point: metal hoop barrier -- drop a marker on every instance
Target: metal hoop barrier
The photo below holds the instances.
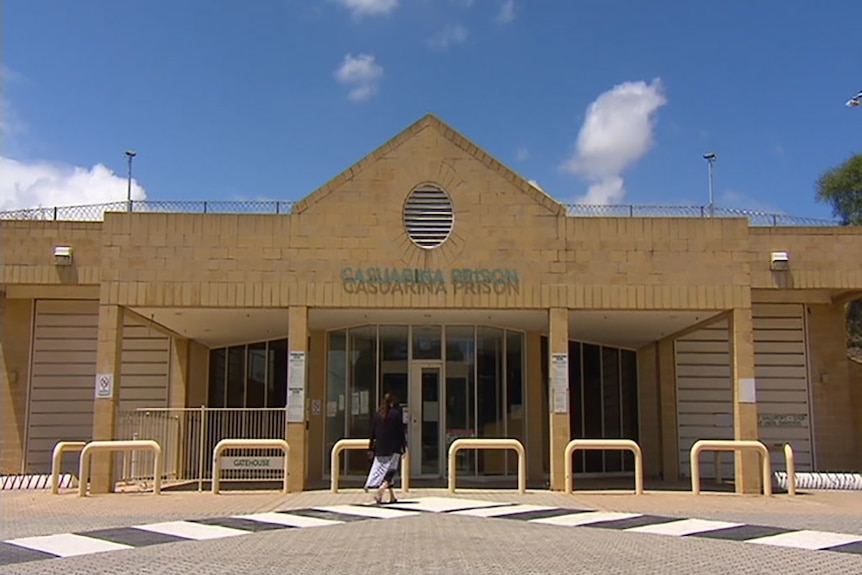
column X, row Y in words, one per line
column 361, row 444
column 790, row 462
column 130, row 445
column 465, row 443
column 225, row 444
column 603, row 444
column 56, row 460
column 730, row 445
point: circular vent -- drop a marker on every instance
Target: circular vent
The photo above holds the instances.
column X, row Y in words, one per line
column 428, row 216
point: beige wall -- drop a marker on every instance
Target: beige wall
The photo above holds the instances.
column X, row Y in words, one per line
column 15, row 333
column 650, row 410
column 836, row 447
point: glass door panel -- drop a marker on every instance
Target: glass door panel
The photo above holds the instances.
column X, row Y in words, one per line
column 425, row 416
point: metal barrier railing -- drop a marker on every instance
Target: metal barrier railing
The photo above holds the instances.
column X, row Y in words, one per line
column 790, row 462
column 93, row 446
column 604, row 444
column 361, row 444
column 226, row 444
column 56, row 460
column 471, row 443
column 730, row 445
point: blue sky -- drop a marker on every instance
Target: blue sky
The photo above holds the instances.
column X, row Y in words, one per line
column 227, row 100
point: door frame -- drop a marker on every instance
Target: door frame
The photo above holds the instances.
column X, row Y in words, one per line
column 414, row 425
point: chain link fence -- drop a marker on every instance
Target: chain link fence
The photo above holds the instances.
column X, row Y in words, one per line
column 96, row 212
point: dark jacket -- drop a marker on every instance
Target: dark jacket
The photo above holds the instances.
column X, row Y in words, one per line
column 388, row 435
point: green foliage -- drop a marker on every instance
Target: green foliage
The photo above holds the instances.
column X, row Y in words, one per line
column 841, row 186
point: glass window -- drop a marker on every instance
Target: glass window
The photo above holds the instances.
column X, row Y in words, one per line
column 216, row 392
column 629, row 386
column 276, row 379
column 362, row 388
column 426, row 341
column 515, row 412
column 394, row 364
column 236, row 376
column 546, row 423
column 489, row 397
column 611, row 405
column 255, row 389
column 592, row 355
column 336, row 390
column 460, row 392
column 576, row 388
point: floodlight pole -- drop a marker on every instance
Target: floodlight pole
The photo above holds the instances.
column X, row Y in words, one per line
column 710, row 160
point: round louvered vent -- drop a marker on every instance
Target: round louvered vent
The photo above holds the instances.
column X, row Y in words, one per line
column 428, row 216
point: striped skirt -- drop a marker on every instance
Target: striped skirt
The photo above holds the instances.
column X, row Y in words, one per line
column 382, row 469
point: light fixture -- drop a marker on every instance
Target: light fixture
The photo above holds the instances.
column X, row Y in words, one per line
column 779, row 261
column 62, row 255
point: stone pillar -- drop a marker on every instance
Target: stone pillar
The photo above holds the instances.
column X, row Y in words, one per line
column 179, row 373
column 558, row 345
column 666, row 360
column 108, row 362
column 296, row 394
column 747, row 469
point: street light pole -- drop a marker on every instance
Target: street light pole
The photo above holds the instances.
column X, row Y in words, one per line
column 710, row 160
column 130, row 154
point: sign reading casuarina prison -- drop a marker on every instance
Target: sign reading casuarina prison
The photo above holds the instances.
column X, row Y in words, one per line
column 374, row 280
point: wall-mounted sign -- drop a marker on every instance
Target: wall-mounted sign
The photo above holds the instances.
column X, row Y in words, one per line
column 296, row 387
column 104, row 385
column 253, row 463
column 374, row 280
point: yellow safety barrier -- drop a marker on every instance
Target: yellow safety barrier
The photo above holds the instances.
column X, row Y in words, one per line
column 790, row 462
column 469, row 443
column 603, row 444
column 345, row 444
column 56, row 460
column 730, row 445
column 130, row 445
column 225, row 444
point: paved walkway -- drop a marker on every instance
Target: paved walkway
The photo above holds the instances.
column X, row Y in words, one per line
column 539, row 532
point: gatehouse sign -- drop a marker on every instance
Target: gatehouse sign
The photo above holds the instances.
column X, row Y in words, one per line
column 376, row 280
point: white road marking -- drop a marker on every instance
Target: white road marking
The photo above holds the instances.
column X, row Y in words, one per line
column 67, row 544
column 189, row 530
column 806, row 539
column 577, row 519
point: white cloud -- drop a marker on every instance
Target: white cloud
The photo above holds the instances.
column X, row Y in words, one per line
column 616, row 133
column 362, row 73
column 46, row 185
column 449, row 36
column 361, row 8
column 522, row 154
column 507, row 12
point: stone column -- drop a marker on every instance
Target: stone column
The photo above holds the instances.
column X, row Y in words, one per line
column 296, row 395
column 558, row 345
column 108, row 362
column 666, row 360
column 747, row 469
column 179, row 374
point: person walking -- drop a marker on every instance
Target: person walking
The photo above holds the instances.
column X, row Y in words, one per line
column 388, row 442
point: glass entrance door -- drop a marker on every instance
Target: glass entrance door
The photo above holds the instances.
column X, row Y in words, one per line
column 425, row 418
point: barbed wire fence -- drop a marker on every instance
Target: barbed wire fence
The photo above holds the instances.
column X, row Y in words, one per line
column 96, row 212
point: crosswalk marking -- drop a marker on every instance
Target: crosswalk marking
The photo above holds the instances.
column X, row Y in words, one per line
column 683, row 527
column 67, row 544
column 189, row 530
column 807, row 539
column 289, row 520
column 579, row 519
column 370, row 511
column 444, row 504
column 501, row 511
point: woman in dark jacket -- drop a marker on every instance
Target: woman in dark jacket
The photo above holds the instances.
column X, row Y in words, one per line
column 387, row 444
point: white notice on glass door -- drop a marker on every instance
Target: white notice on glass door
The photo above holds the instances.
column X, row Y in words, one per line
column 296, row 387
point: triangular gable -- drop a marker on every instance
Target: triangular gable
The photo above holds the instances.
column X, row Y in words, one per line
column 431, row 121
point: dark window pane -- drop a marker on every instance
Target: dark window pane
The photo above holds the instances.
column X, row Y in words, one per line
column 489, row 396
column 336, row 380
column 216, row 393
column 394, row 367
column 362, row 388
column 576, row 403
column 276, row 379
column 255, row 389
column 593, row 404
column 514, row 395
column 236, row 376
column 611, row 405
column 426, row 341
column 630, row 402
column 546, row 430
column 460, row 392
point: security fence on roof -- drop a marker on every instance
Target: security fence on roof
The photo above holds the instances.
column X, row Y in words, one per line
column 96, row 212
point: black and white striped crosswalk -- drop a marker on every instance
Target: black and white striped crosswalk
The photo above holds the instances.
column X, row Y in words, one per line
column 25, row 549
